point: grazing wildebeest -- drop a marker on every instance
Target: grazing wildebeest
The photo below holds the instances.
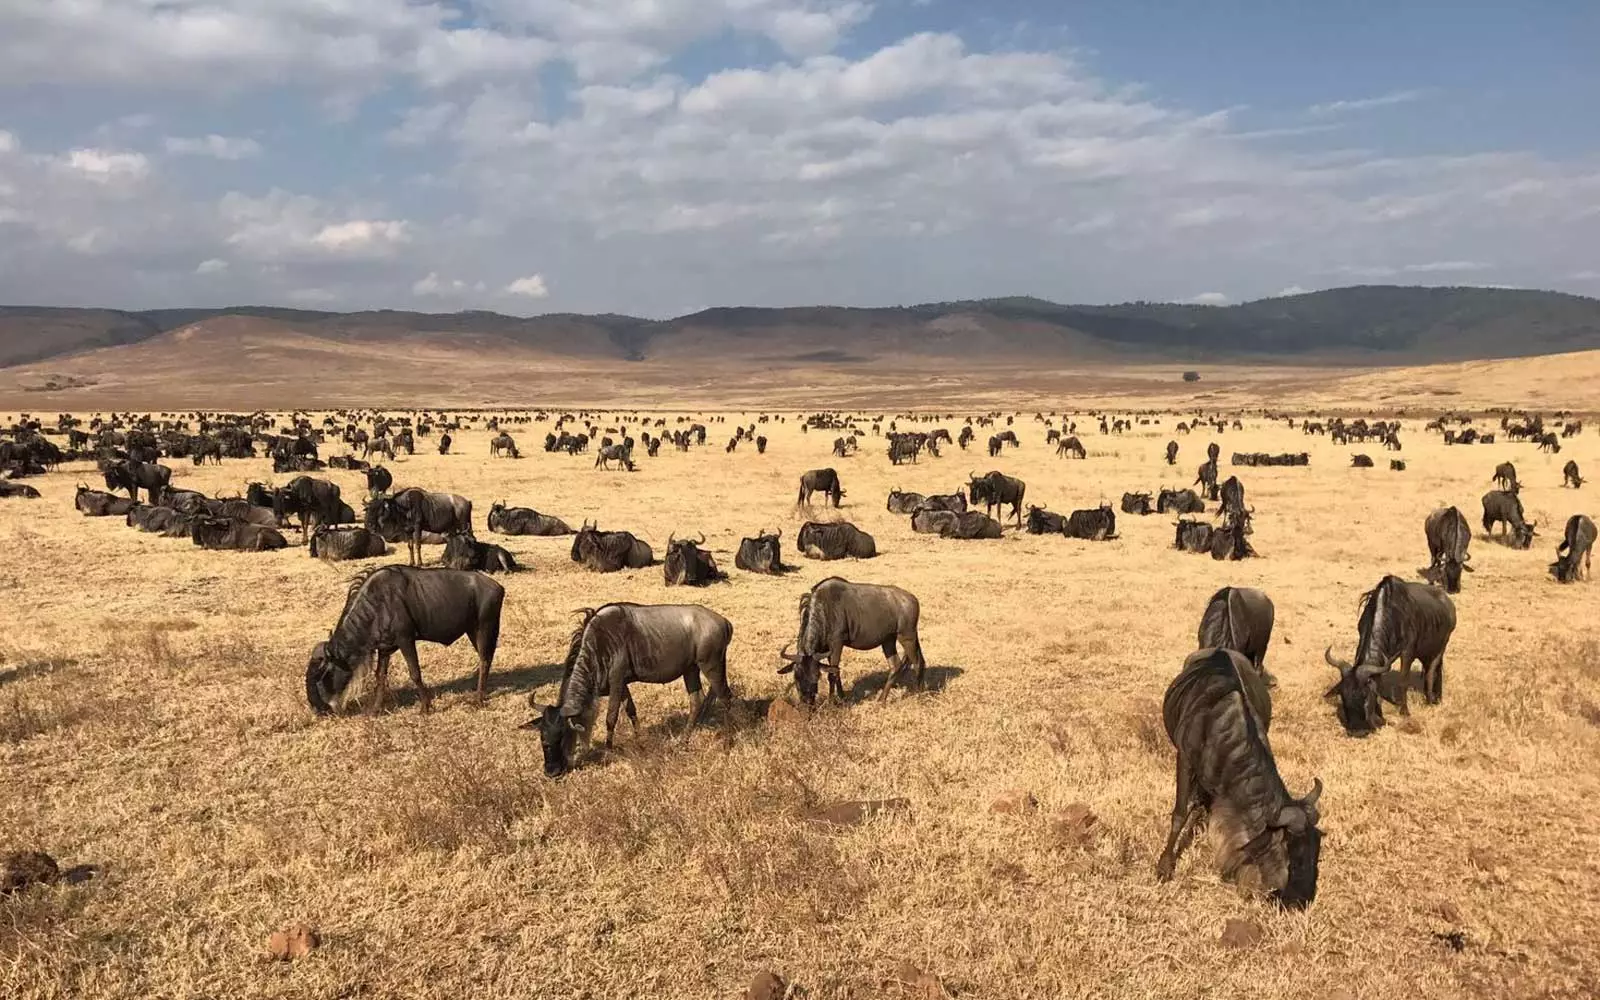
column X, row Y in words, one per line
column 622, row 644
column 135, row 476
column 1217, row 714
column 225, row 533
column 1505, row 508
column 610, row 551
column 820, row 481
column 1570, row 476
column 950, row 524
column 503, row 445
column 688, row 564
column 1179, row 502
column 995, row 491
column 1240, row 619
column 622, row 453
column 828, row 540
column 346, row 542
column 1505, row 474
column 1071, row 446
column 463, row 551
column 1399, row 620
column 1136, row 503
column 1192, row 536
column 1448, row 537
column 1575, row 547
column 444, row 444
column 903, row 503
column 836, row 614
column 379, row 480
column 381, row 446
column 1095, row 524
column 505, row 520
column 391, row 608
column 95, row 503
column 1549, row 442
column 995, row 445
column 415, row 511
column 761, row 554
column 1361, row 461
column 1172, row 453
column 1206, row 479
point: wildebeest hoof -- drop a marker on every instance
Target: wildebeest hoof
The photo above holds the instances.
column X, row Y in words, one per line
column 1164, row 869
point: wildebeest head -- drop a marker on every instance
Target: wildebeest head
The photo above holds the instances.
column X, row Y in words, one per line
column 1285, row 855
column 807, row 669
column 1359, row 708
column 327, row 676
column 558, row 736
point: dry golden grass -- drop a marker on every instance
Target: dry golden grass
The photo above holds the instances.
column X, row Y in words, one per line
column 153, row 721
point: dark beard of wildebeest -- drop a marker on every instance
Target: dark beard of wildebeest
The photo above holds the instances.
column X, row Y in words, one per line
column 1071, row 446
column 949, row 524
column 687, row 564
column 904, row 503
column 1505, row 508
column 609, row 551
column 225, row 533
column 1207, row 479
column 995, row 491
column 761, row 554
column 820, row 481
column 379, row 480
column 353, row 542
column 463, row 551
column 835, row 540
column 1448, row 537
column 314, row 501
column 1179, row 502
column 94, row 503
column 1240, row 619
column 1570, row 476
column 1399, row 620
column 1172, row 453
column 505, row 520
column 1574, row 549
column 1505, row 474
column 621, row 644
column 415, row 511
column 836, row 614
column 1217, row 713
column 1136, row 503
column 134, row 476
column 393, row 608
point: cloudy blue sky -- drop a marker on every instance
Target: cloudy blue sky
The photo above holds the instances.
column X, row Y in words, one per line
column 659, row 156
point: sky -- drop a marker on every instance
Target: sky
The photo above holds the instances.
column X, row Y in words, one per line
column 656, row 157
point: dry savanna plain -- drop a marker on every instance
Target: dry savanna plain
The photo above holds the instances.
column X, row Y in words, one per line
column 153, row 723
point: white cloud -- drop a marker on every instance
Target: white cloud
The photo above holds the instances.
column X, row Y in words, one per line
column 211, row 265
column 1368, row 103
column 1210, row 299
column 1440, row 266
column 1290, row 290
column 218, row 147
column 8, row 142
column 532, row 287
column 107, row 166
column 432, row 284
column 361, row 235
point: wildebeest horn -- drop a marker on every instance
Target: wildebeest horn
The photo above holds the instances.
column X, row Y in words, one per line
column 784, row 653
column 672, row 539
column 779, row 533
column 1309, row 803
column 1327, row 654
column 702, row 540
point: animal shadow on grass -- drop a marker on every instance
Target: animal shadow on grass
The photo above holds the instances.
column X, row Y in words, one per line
column 870, row 685
column 517, row 681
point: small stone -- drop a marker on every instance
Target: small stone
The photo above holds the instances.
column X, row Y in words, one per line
column 293, row 942
column 1076, row 826
column 782, row 712
column 1018, row 801
column 766, row 986
column 21, row 869
column 1239, row 933
column 858, row 812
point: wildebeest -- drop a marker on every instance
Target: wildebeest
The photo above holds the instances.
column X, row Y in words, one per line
column 1094, row 524
column 1240, row 619
column 622, row 453
column 761, row 554
column 1206, row 479
column 1232, row 494
column 379, row 480
column 415, row 511
column 225, row 533
column 995, row 491
column 1569, row 474
column 1044, row 522
column 950, row 524
column 1231, row 540
column 1399, row 620
column 761, row 445
column 1136, row 503
column 1216, row 713
column 1071, row 446
column 11, row 491
column 688, row 564
column 1184, row 501
column 314, row 501
column 503, row 445
column 1448, row 537
column 95, row 503
column 1361, row 461
column 609, row 551
column 1575, row 547
column 505, row 520
column 836, row 614
column 1192, row 536
column 463, row 551
column 1505, row 508
column 336, row 544
column 955, row 502
column 1397, row 465
column 621, row 644
column 444, row 444
column 391, row 608
column 1505, row 475
column 995, row 445
column 820, row 481
column 135, row 476
column 1172, row 453
column 828, row 540
column 901, row 502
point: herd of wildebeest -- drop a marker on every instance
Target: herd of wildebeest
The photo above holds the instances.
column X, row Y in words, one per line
column 1217, row 711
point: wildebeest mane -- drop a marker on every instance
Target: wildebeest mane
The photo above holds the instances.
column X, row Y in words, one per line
column 588, row 651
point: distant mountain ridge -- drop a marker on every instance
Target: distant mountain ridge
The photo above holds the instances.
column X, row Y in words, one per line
column 1377, row 324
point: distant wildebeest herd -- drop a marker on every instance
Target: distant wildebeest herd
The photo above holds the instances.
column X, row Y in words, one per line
column 1217, row 711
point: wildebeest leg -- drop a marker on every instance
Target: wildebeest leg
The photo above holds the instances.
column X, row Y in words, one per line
column 911, row 653
column 485, row 642
column 1185, row 813
column 1433, row 680
column 1406, row 656
column 697, row 700
column 895, row 664
column 619, row 697
column 836, row 659
column 382, row 675
column 409, row 651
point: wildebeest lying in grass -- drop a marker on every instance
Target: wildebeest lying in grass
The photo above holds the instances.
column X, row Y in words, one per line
column 620, row 644
column 903, row 503
column 1217, row 713
column 1575, row 548
column 505, row 520
column 610, row 551
column 1179, row 502
column 827, row 540
column 1399, row 621
column 836, row 614
column 1192, row 536
column 1094, row 524
column 463, row 551
column 10, row 490
column 393, row 608
column 686, row 563
column 225, row 533
column 1240, row 619
column 1136, row 503
column 336, row 544
column 949, row 524
column 1044, row 522
column 761, row 554
column 95, row 503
